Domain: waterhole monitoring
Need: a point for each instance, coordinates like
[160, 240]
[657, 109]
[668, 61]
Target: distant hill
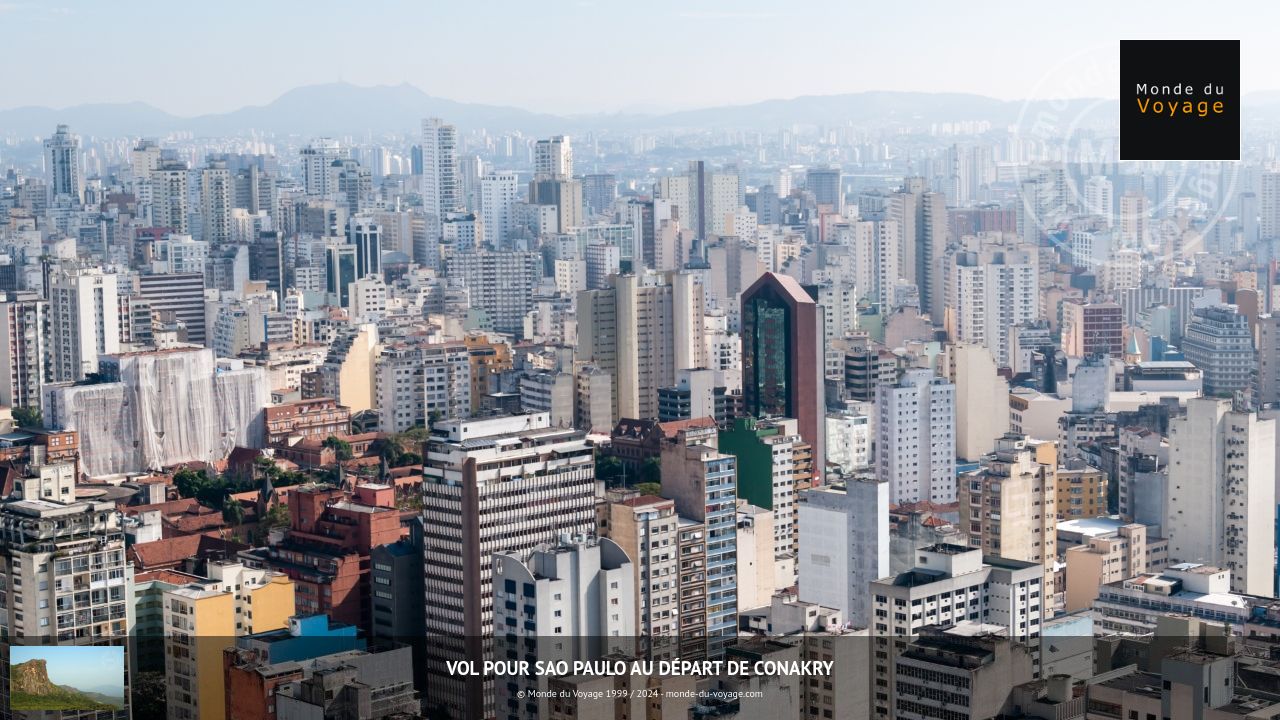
[345, 109]
[31, 689]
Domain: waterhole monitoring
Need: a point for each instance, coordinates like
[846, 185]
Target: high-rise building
[24, 341]
[499, 193]
[948, 585]
[773, 461]
[500, 484]
[366, 236]
[217, 197]
[170, 204]
[599, 191]
[1135, 220]
[440, 192]
[1092, 328]
[499, 283]
[84, 321]
[53, 548]
[582, 589]
[646, 527]
[62, 162]
[177, 297]
[1218, 340]
[921, 219]
[1099, 198]
[824, 184]
[202, 616]
[553, 158]
[1008, 506]
[1269, 207]
[317, 160]
[844, 544]
[782, 357]
[702, 482]
[993, 287]
[1266, 388]
[417, 384]
[1221, 506]
[642, 330]
[340, 272]
[916, 450]
[982, 406]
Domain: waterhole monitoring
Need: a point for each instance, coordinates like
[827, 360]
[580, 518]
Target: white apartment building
[916, 451]
[844, 545]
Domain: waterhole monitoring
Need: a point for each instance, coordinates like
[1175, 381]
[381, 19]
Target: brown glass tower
[782, 358]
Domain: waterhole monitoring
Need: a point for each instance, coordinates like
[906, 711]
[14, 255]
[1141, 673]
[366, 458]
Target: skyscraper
[500, 484]
[498, 195]
[216, 199]
[782, 357]
[84, 321]
[317, 166]
[642, 330]
[1219, 342]
[703, 483]
[844, 545]
[922, 230]
[62, 160]
[24, 318]
[916, 450]
[1221, 506]
[169, 202]
[553, 158]
[992, 288]
[824, 183]
[366, 236]
[439, 173]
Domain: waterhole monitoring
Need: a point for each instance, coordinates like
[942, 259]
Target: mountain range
[346, 109]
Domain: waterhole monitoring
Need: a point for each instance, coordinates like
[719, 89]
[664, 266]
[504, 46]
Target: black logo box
[1187, 68]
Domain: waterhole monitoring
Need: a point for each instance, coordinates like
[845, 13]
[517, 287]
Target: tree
[651, 471]
[28, 417]
[609, 469]
[341, 448]
[277, 516]
[147, 694]
[648, 488]
[233, 512]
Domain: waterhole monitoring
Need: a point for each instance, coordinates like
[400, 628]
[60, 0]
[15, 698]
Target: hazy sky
[87, 667]
[576, 56]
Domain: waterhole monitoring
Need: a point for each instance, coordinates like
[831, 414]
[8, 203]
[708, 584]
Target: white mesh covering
[169, 407]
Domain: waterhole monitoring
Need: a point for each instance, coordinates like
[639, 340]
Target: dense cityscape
[918, 413]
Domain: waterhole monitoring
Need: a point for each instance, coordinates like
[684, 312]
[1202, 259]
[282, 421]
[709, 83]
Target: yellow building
[203, 618]
[489, 359]
[1082, 493]
[1008, 505]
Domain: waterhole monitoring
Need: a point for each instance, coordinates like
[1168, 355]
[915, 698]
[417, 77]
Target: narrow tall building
[916, 448]
[84, 321]
[844, 545]
[440, 192]
[62, 161]
[703, 483]
[642, 330]
[782, 358]
[24, 366]
[1221, 499]
[1008, 506]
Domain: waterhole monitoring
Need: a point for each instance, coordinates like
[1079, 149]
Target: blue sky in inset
[90, 667]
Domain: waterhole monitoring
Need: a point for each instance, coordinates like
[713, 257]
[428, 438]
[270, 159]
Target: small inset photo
[66, 678]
